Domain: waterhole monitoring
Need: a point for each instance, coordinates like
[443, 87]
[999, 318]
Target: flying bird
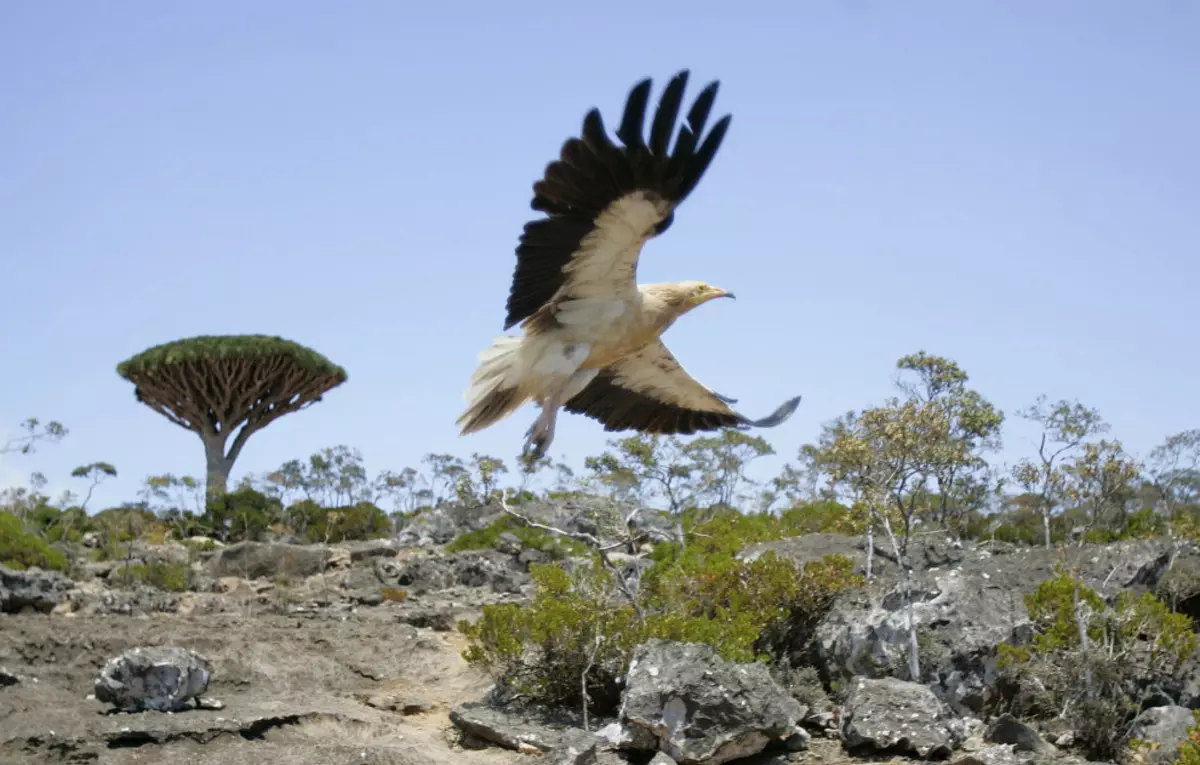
[591, 341]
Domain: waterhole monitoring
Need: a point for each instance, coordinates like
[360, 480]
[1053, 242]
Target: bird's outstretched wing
[651, 392]
[603, 201]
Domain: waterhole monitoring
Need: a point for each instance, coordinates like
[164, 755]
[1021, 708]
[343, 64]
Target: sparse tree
[719, 463]
[892, 461]
[1065, 427]
[226, 388]
[1101, 480]
[644, 468]
[95, 473]
[1174, 473]
[35, 431]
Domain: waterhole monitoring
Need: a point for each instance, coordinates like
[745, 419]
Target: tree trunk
[1046, 526]
[217, 476]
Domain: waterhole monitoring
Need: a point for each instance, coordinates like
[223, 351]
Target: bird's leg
[538, 438]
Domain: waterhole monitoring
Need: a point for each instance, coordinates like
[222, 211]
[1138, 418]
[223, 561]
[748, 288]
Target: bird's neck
[659, 310]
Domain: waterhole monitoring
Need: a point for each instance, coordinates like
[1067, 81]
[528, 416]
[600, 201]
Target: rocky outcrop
[966, 601]
[31, 590]
[260, 560]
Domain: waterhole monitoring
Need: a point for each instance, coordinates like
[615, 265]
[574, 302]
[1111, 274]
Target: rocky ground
[348, 654]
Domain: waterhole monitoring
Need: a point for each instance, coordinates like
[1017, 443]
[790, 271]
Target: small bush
[338, 524]
[19, 549]
[172, 577]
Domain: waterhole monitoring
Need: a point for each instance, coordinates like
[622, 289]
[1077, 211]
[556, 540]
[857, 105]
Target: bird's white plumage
[655, 372]
[605, 265]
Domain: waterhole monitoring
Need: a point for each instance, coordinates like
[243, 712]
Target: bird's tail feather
[496, 387]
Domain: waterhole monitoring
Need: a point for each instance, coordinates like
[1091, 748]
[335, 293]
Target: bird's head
[698, 293]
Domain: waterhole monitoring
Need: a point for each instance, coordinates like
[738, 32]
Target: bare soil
[296, 690]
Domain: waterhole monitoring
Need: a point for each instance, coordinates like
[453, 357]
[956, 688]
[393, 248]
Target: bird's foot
[538, 438]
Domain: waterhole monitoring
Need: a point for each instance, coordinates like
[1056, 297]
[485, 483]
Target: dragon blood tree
[214, 385]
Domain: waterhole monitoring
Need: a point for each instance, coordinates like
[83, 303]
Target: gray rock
[473, 568]
[162, 678]
[523, 730]
[701, 708]
[1007, 729]
[373, 548]
[257, 560]
[1165, 727]
[95, 597]
[31, 590]
[895, 715]
[662, 759]
[997, 754]
[432, 527]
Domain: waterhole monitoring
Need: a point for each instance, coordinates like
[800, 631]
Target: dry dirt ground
[297, 690]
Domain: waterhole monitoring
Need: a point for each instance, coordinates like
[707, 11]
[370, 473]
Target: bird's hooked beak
[726, 294]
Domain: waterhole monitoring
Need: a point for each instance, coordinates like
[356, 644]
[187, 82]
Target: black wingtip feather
[634, 118]
[594, 171]
[666, 114]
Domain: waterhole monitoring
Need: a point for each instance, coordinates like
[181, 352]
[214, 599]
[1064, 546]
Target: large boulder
[892, 715]
[260, 560]
[701, 709]
[31, 590]
[162, 678]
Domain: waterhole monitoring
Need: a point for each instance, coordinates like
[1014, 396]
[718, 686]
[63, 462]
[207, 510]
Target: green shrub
[172, 577]
[530, 538]
[582, 619]
[338, 524]
[1133, 642]
[20, 549]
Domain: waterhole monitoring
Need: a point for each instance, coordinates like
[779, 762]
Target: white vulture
[591, 334]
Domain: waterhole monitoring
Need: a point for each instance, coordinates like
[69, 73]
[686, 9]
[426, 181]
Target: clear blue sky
[1015, 185]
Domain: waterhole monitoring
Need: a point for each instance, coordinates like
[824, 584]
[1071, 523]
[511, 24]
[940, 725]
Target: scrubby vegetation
[1091, 662]
[588, 616]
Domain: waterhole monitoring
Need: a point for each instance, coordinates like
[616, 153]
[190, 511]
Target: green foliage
[362, 520]
[20, 549]
[239, 515]
[1189, 751]
[530, 538]
[172, 577]
[1095, 685]
[120, 527]
[583, 619]
[209, 348]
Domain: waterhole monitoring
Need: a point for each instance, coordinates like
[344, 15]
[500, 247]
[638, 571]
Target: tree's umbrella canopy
[214, 384]
[211, 383]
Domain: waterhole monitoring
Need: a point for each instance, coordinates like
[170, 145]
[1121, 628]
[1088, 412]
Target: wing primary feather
[701, 107]
[778, 417]
[704, 155]
[634, 118]
[666, 114]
